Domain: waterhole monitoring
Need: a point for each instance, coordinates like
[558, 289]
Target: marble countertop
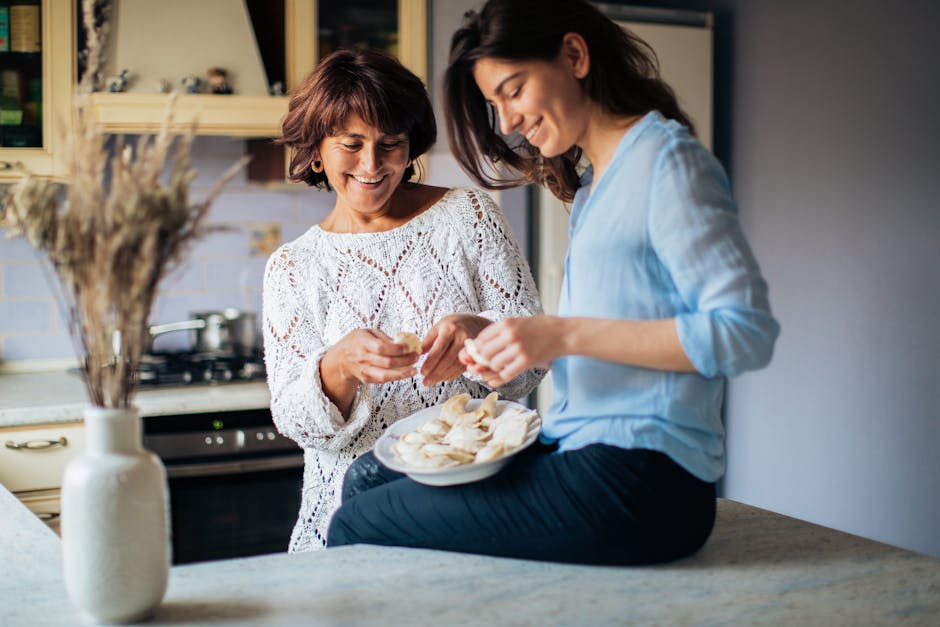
[758, 568]
[53, 397]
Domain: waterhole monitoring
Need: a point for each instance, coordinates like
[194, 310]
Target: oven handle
[210, 469]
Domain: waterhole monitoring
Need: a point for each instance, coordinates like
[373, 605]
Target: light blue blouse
[658, 237]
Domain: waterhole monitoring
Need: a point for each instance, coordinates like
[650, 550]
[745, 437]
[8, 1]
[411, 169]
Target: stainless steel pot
[226, 331]
[243, 330]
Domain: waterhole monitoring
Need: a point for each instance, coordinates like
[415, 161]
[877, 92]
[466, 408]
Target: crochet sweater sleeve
[294, 346]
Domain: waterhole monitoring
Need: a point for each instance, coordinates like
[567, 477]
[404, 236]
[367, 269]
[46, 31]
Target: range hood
[167, 40]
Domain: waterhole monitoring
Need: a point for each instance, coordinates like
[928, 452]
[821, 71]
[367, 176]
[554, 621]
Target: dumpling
[489, 405]
[469, 445]
[489, 452]
[474, 353]
[417, 437]
[435, 428]
[434, 450]
[409, 339]
[461, 432]
[511, 431]
[468, 420]
[454, 407]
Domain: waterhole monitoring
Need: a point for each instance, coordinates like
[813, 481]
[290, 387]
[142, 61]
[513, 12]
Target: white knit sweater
[459, 256]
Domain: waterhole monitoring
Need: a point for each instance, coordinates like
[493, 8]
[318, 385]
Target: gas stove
[187, 368]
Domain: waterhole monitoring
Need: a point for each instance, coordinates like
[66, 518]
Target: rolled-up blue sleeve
[723, 313]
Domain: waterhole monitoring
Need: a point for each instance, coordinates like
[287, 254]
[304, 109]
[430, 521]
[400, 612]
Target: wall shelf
[234, 116]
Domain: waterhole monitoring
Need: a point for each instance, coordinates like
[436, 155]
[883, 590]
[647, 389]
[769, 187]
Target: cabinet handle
[47, 516]
[10, 165]
[36, 445]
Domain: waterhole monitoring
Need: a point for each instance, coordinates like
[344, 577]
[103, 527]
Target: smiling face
[364, 165]
[541, 100]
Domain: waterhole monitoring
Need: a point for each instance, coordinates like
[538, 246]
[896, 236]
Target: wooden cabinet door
[34, 458]
[259, 116]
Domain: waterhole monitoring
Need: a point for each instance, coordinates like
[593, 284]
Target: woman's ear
[574, 50]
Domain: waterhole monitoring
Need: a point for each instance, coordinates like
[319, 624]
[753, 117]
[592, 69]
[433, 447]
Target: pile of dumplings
[461, 436]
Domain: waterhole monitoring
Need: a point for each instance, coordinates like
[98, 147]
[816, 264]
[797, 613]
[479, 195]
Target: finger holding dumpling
[445, 341]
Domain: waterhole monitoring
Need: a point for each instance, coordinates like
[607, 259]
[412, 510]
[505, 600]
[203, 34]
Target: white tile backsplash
[25, 279]
[24, 316]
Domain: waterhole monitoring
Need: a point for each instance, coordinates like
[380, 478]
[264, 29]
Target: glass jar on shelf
[36, 81]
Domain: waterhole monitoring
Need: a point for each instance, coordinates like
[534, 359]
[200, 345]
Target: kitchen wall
[826, 113]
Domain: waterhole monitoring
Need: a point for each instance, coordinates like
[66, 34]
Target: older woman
[393, 255]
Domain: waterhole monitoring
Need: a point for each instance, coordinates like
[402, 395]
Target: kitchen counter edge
[60, 397]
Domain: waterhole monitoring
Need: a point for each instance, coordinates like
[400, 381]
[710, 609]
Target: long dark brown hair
[623, 78]
[370, 83]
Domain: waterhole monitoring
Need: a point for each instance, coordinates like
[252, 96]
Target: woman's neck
[408, 201]
[345, 220]
[604, 133]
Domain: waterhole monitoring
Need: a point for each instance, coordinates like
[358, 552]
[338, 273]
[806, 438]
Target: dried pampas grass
[121, 222]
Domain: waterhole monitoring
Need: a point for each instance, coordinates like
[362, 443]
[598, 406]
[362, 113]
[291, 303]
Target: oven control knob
[219, 439]
[226, 374]
[207, 375]
[208, 440]
[187, 377]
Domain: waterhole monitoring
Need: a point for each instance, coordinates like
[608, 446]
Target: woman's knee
[339, 532]
[364, 474]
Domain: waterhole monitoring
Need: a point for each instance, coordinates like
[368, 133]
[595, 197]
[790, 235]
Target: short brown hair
[370, 83]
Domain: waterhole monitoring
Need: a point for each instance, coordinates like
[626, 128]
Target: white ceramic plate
[464, 473]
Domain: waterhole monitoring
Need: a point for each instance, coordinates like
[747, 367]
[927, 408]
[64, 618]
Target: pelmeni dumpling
[435, 428]
[489, 452]
[511, 432]
[464, 432]
[461, 436]
[454, 407]
[417, 437]
[488, 406]
[409, 339]
[474, 353]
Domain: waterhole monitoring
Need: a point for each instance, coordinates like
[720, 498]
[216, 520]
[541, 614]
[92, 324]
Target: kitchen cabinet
[299, 41]
[36, 85]
[32, 461]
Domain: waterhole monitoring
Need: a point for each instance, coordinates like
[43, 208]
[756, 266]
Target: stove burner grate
[185, 368]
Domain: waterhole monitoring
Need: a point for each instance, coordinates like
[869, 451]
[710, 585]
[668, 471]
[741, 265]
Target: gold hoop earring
[317, 167]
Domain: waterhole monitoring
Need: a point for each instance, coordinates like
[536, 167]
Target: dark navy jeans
[596, 505]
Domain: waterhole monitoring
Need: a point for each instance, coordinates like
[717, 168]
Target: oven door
[234, 508]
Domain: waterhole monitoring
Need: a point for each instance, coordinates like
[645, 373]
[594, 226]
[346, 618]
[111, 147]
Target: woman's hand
[370, 356]
[443, 344]
[363, 356]
[512, 346]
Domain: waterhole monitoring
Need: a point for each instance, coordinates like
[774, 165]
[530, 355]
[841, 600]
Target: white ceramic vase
[115, 522]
